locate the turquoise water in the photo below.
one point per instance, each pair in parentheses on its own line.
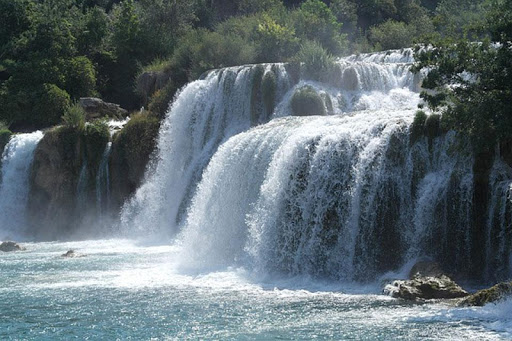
(122,290)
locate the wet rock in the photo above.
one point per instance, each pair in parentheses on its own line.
(426,288)
(10,246)
(491,295)
(72,254)
(96,108)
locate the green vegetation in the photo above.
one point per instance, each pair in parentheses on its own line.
(74,117)
(268,89)
(418,125)
(306,101)
(52,52)
(470,75)
(5,136)
(96,137)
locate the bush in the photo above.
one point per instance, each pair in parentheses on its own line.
(5,136)
(51,104)
(318,63)
(418,125)
(160,100)
(74,117)
(392,35)
(306,101)
(80,77)
(96,137)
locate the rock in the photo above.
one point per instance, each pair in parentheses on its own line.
(149,82)
(493,294)
(441,287)
(11,246)
(53,182)
(96,108)
(72,254)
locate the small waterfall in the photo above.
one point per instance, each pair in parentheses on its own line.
(103,184)
(14,186)
(81,189)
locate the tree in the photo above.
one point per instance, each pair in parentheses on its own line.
(470,83)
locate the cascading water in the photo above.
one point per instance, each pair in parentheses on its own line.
(14,186)
(103,183)
(348,197)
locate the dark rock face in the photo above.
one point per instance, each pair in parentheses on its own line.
(494,294)
(53,182)
(96,108)
(11,247)
(149,82)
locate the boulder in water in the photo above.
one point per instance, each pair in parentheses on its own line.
(426,281)
(72,254)
(491,295)
(10,246)
(426,288)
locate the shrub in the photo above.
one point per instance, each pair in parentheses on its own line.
(96,137)
(318,63)
(5,135)
(50,104)
(392,35)
(159,102)
(306,101)
(74,117)
(418,125)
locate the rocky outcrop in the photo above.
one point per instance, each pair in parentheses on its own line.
(96,108)
(150,81)
(491,295)
(53,182)
(10,246)
(427,281)
(426,288)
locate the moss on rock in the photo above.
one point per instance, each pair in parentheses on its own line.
(306,101)
(493,294)
(269,88)
(131,151)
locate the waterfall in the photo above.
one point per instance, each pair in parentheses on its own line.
(103,183)
(14,186)
(238,180)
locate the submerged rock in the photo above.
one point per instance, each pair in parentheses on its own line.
(493,294)
(11,246)
(72,254)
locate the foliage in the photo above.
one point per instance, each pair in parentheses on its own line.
(74,117)
(471,83)
(418,125)
(5,136)
(392,35)
(306,101)
(96,137)
(161,99)
(318,63)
